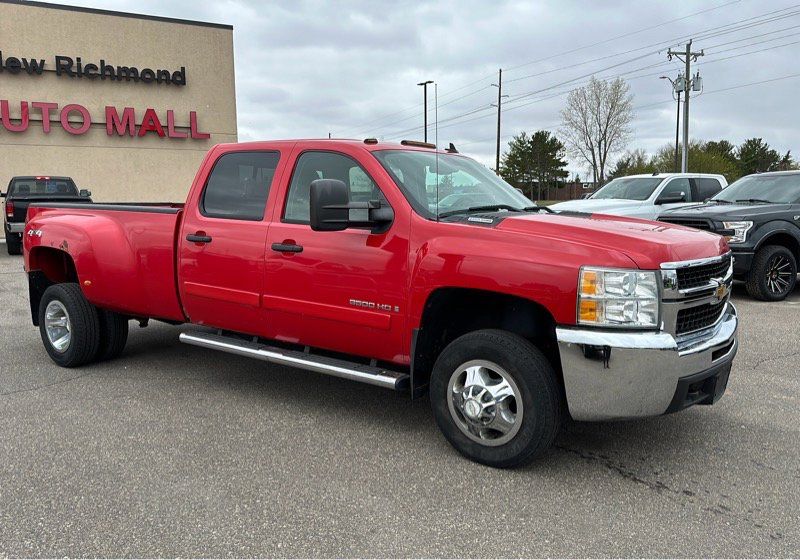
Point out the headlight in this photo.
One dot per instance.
(739, 230)
(620, 298)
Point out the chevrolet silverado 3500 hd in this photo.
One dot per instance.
(336, 256)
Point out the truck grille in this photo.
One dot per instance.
(696, 223)
(699, 317)
(697, 276)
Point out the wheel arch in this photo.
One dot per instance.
(450, 312)
(47, 266)
(783, 237)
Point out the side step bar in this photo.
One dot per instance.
(320, 364)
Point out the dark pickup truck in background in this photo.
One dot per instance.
(760, 217)
(22, 191)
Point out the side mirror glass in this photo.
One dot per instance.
(86, 193)
(330, 200)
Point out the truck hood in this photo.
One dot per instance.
(732, 212)
(599, 205)
(645, 242)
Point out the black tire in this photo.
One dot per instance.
(113, 334)
(535, 380)
(84, 325)
(13, 244)
(773, 274)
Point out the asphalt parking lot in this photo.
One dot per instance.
(179, 451)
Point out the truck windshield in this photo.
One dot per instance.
(42, 186)
(629, 188)
(452, 184)
(763, 188)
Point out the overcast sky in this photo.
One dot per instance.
(306, 68)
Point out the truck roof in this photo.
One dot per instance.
(369, 144)
(29, 177)
(666, 175)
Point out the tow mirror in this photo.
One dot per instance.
(85, 193)
(331, 206)
(672, 198)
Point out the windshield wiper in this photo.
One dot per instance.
(719, 201)
(760, 200)
(538, 209)
(486, 208)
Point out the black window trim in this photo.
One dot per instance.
(294, 170)
(201, 206)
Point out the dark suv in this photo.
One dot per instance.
(22, 191)
(760, 217)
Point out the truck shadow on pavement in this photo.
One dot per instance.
(373, 408)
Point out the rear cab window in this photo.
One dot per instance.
(238, 186)
(42, 186)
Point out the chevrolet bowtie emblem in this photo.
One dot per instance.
(721, 291)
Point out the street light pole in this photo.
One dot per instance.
(425, 103)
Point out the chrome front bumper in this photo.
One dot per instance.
(612, 375)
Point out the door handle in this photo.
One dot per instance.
(287, 248)
(197, 238)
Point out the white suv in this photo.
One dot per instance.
(647, 196)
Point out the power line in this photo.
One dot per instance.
(732, 27)
(578, 49)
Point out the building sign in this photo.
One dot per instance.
(69, 67)
(77, 120)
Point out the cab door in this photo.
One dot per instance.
(222, 239)
(344, 290)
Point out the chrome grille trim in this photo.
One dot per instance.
(674, 299)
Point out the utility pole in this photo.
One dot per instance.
(676, 88)
(689, 84)
(425, 102)
(500, 96)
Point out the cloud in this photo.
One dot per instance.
(351, 68)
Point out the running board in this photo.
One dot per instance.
(320, 364)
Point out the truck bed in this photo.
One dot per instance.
(124, 253)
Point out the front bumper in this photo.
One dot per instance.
(742, 261)
(611, 375)
(15, 227)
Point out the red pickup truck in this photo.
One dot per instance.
(405, 267)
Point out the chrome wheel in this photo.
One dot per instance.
(57, 325)
(779, 275)
(485, 402)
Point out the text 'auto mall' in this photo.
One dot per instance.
(127, 105)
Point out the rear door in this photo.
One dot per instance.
(222, 238)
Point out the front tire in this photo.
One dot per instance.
(69, 325)
(773, 275)
(496, 398)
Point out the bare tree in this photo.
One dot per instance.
(596, 122)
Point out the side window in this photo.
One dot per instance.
(238, 186)
(707, 187)
(677, 186)
(326, 165)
